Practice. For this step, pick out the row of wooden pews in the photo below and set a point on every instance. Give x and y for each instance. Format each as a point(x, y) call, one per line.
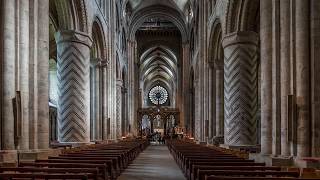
point(200, 162)
point(98, 161)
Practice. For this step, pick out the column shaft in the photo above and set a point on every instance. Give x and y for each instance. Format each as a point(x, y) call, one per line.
point(105, 104)
point(266, 78)
point(43, 68)
point(211, 104)
point(285, 72)
point(276, 98)
point(303, 76)
point(97, 99)
point(73, 49)
point(219, 102)
point(240, 88)
point(24, 71)
point(119, 110)
point(8, 76)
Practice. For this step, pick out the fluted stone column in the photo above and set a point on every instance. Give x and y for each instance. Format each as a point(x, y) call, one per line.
point(303, 76)
point(266, 75)
point(219, 99)
point(73, 49)
point(285, 73)
point(240, 88)
point(8, 76)
point(24, 72)
point(119, 110)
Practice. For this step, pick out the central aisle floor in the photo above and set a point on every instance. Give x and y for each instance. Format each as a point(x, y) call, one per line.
point(154, 163)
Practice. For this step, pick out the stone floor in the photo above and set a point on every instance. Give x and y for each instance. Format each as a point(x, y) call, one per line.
point(155, 163)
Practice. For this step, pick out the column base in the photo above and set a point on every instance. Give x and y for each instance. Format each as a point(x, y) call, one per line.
point(31, 155)
point(246, 148)
point(307, 162)
point(8, 158)
point(271, 160)
point(75, 144)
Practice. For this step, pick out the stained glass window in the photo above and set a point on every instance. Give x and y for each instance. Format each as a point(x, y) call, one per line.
point(158, 95)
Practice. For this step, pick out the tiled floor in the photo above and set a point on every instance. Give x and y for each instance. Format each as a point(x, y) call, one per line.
point(155, 163)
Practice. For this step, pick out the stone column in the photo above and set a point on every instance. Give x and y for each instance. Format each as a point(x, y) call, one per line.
point(73, 49)
point(43, 68)
point(266, 75)
point(119, 110)
point(303, 77)
point(124, 112)
point(276, 98)
point(211, 102)
point(8, 76)
point(97, 101)
point(240, 88)
point(105, 103)
point(284, 73)
point(219, 98)
point(197, 122)
point(24, 72)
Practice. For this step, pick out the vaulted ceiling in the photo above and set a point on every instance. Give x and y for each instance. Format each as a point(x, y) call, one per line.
point(159, 54)
point(139, 4)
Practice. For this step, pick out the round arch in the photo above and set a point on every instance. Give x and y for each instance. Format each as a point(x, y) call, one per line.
point(242, 16)
point(161, 11)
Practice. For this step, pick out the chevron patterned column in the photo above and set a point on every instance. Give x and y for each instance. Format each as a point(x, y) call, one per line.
point(240, 88)
point(119, 109)
point(73, 52)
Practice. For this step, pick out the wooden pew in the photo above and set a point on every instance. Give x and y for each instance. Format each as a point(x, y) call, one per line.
point(92, 173)
point(249, 173)
point(45, 176)
point(253, 178)
point(103, 174)
point(196, 168)
point(199, 162)
point(99, 161)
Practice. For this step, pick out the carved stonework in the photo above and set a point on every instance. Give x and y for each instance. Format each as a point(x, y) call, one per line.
point(240, 88)
point(73, 50)
point(118, 115)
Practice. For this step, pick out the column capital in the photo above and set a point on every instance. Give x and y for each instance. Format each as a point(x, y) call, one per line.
point(241, 37)
point(73, 36)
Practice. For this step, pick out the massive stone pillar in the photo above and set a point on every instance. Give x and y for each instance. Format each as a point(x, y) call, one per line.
point(240, 88)
point(219, 99)
point(119, 110)
point(73, 52)
point(284, 73)
point(303, 76)
point(8, 76)
point(266, 75)
point(23, 61)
